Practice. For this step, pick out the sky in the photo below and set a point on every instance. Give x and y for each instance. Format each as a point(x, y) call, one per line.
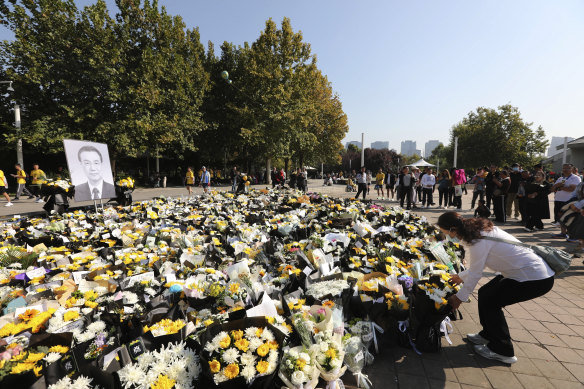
point(413, 69)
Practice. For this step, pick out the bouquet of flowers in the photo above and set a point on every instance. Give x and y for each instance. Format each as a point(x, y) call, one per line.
point(241, 352)
point(298, 369)
point(329, 359)
point(355, 353)
point(126, 183)
point(172, 365)
point(51, 187)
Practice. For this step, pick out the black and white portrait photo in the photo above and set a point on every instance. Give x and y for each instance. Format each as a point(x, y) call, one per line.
point(90, 169)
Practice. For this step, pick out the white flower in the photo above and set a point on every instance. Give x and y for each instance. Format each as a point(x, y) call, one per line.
point(335, 362)
point(81, 383)
point(248, 359)
point(52, 357)
point(293, 353)
point(323, 346)
point(219, 377)
point(130, 375)
point(267, 335)
point(254, 343)
point(130, 298)
point(86, 311)
point(305, 357)
point(231, 355)
point(96, 326)
point(298, 378)
point(150, 291)
point(100, 290)
point(63, 383)
point(248, 372)
point(250, 332)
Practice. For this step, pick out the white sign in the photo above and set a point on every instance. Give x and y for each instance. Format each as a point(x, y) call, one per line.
point(90, 170)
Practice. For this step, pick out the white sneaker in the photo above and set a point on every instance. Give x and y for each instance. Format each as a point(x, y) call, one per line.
point(39, 201)
point(485, 352)
point(9, 204)
point(476, 339)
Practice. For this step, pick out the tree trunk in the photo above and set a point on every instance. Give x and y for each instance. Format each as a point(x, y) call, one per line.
point(268, 170)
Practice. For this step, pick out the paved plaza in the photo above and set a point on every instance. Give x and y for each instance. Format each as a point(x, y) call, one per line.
point(547, 331)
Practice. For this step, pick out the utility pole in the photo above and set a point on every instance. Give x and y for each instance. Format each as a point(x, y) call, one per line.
point(455, 150)
point(362, 149)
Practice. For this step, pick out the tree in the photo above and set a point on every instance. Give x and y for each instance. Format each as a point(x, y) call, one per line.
point(409, 159)
point(497, 136)
point(442, 156)
point(135, 82)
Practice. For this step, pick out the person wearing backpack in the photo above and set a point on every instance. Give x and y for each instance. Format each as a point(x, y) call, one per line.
point(523, 275)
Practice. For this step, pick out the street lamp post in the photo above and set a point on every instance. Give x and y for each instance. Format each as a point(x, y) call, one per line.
point(19, 156)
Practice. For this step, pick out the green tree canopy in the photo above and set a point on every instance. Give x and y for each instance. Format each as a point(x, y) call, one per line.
point(498, 136)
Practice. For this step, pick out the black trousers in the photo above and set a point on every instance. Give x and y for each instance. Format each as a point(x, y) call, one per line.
point(480, 194)
point(443, 194)
point(499, 208)
point(405, 192)
point(451, 196)
point(497, 294)
point(489, 197)
point(557, 209)
point(533, 221)
point(361, 188)
point(427, 196)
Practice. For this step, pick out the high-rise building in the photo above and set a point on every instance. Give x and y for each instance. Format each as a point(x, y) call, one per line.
point(353, 142)
point(380, 145)
point(429, 147)
point(556, 141)
point(408, 147)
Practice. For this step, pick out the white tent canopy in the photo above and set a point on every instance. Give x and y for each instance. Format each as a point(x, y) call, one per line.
point(422, 163)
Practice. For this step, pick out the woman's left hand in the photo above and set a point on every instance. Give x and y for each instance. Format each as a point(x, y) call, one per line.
point(454, 302)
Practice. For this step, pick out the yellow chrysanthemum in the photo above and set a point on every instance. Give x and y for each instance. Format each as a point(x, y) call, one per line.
point(71, 315)
point(242, 344)
point(22, 367)
point(262, 366)
point(237, 334)
point(163, 382)
point(214, 366)
point(263, 350)
point(59, 349)
point(231, 371)
point(225, 342)
point(34, 357)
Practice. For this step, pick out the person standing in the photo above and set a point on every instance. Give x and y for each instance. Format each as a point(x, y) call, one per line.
point(406, 182)
point(525, 180)
point(479, 187)
point(301, 179)
point(379, 179)
point(522, 275)
point(369, 179)
point(458, 179)
point(537, 203)
point(361, 179)
point(428, 182)
point(564, 189)
point(21, 182)
point(38, 179)
point(390, 179)
point(502, 183)
point(490, 185)
point(443, 188)
point(190, 180)
point(4, 188)
point(205, 180)
point(512, 202)
point(233, 178)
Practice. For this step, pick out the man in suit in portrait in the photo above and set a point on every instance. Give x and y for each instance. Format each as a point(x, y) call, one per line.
point(95, 187)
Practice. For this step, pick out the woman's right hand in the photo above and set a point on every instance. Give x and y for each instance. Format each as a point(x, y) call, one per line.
point(455, 279)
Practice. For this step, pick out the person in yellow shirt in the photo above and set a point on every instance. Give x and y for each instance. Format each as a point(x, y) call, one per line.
point(21, 181)
point(38, 179)
point(190, 180)
point(379, 178)
point(3, 188)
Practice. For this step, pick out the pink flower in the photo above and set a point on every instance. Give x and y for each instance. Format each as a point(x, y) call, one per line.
point(5, 356)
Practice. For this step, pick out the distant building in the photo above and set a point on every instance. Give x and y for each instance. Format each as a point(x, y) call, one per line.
point(380, 145)
point(353, 142)
point(429, 147)
point(556, 141)
point(408, 147)
point(574, 155)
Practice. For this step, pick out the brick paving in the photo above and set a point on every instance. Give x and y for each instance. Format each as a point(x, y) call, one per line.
point(547, 332)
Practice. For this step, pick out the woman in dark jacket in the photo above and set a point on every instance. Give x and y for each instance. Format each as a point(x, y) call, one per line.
point(538, 206)
point(502, 183)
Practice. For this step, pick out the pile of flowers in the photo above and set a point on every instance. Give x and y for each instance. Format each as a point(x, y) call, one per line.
point(247, 290)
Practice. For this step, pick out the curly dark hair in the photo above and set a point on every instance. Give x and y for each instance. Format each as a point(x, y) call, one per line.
point(467, 229)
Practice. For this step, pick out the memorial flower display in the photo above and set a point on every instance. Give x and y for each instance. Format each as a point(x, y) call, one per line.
point(250, 290)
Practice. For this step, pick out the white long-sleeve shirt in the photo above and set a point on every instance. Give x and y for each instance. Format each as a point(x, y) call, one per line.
point(514, 262)
point(428, 181)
